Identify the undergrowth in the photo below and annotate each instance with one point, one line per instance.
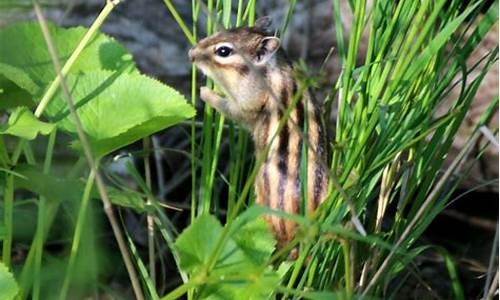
(393, 131)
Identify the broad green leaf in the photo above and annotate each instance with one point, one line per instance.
(23, 123)
(8, 285)
(25, 60)
(239, 267)
(197, 243)
(61, 189)
(117, 109)
(12, 95)
(256, 241)
(47, 185)
(252, 287)
(129, 199)
(18, 76)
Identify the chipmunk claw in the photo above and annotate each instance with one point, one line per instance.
(207, 94)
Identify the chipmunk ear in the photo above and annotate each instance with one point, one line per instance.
(263, 24)
(268, 46)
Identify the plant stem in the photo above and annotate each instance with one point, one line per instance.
(347, 268)
(205, 202)
(195, 8)
(71, 60)
(38, 249)
(7, 219)
(181, 290)
(149, 218)
(493, 287)
(180, 22)
(80, 222)
(39, 236)
(108, 209)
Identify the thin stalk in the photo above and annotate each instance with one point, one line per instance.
(339, 29)
(160, 177)
(4, 156)
(39, 236)
(288, 17)
(80, 223)
(239, 13)
(251, 14)
(149, 218)
(191, 38)
(181, 290)
(110, 5)
(298, 267)
(492, 263)
(35, 295)
(493, 288)
(207, 134)
(28, 154)
(7, 219)
(108, 209)
(195, 10)
(220, 127)
(215, 159)
(347, 268)
(430, 198)
(25, 278)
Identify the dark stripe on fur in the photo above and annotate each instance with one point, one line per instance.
(242, 69)
(320, 154)
(283, 160)
(300, 123)
(266, 123)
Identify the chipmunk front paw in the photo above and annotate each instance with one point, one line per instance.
(208, 95)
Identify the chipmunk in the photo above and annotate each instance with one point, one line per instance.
(256, 77)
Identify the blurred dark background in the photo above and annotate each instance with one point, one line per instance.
(466, 228)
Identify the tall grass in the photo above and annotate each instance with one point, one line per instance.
(390, 143)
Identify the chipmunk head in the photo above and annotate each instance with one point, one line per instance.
(233, 57)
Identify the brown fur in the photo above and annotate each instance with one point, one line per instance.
(257, 95)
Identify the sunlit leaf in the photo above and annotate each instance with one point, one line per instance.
(128, 199)
(197, 243)
(25, 60)
(117, 109)
(240, 264)
(8, 285)
(23, 123)
(256, 241)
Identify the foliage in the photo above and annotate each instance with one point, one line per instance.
(116, 106)
(387, 165)
(24, 124)
(240, 262)
(8, 285)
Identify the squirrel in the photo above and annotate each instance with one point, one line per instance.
(253, 71)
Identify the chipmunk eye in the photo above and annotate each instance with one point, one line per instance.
(223, 51)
